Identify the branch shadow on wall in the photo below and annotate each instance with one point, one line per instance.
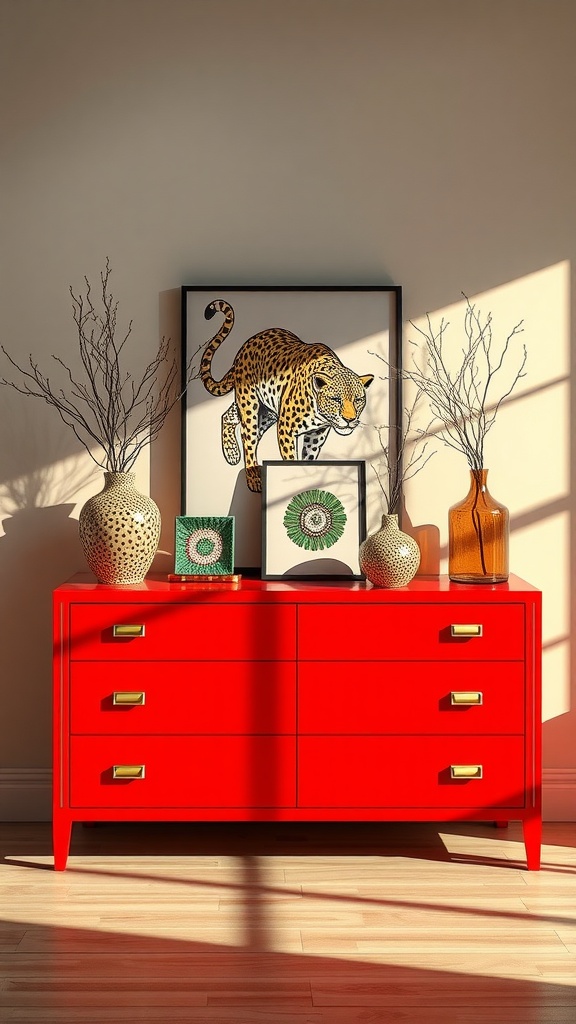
(39, 550)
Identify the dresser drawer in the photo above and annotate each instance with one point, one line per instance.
(184, 771)
(176, 697)
(179, 632)
(412, 697)
(410, 632)
(409, 771)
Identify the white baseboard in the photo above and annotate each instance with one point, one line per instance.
(26, 794)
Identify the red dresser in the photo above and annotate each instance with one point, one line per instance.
(273, 701)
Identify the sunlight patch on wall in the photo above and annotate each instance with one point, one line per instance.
(556, 680)
(527, 452)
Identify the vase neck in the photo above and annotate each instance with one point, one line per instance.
(111, 477)
(478, 479)
(390, 519)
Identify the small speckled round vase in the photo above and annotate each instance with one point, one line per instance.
(389, 557)
(119, 531)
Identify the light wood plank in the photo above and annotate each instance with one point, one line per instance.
(315, 924)
(275, 1014)
(469, 993)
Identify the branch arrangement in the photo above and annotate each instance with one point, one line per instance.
(109, 407)
(395, 466)
(463, 402)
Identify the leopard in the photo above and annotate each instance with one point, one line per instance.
(301, 387)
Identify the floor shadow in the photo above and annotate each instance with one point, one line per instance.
(74, 974)
(282, 839)
(160, 944)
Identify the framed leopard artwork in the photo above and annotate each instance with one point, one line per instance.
(284, 373)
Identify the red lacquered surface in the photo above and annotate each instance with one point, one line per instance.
(83, 587)
(420, 631)
(182, 632)
(409, 771)
(296, 701)
(408, 697)
(184, 771)
(208, 697)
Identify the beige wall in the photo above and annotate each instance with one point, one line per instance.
(427, 143)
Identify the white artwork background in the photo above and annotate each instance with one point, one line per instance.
(352, 323)
(282, 554)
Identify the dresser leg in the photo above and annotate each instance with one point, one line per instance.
(61, 833)
(532, 830)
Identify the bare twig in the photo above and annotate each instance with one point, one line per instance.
(109, 408)
(395, 466)
(463, 402)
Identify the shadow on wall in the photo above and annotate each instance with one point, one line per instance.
(39, 550)
(165, 452)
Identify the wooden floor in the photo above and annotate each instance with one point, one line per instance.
(295, 924)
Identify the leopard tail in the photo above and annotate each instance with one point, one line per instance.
(217, 387)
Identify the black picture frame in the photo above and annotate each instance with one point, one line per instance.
(362, 325)
(313, 519)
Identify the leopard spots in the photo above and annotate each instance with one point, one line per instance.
(302, 388)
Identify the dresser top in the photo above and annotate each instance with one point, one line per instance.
(83, 587)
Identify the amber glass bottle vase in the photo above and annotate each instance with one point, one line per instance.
(478, 530)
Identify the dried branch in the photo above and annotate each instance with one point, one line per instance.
(109, 407)
(463, 402)
(395, 467)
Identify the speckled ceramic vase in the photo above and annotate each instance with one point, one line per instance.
(389, 557)
(119, 531)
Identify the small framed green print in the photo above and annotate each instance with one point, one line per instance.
(313, 519)
(204, 545)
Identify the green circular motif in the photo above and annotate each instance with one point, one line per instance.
(315, 520)
(205, 546)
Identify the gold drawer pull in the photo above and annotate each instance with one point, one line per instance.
(128, 771)
(124, 630)
(465, 629)
(466, 771)
(466, 697)
(129, 698)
